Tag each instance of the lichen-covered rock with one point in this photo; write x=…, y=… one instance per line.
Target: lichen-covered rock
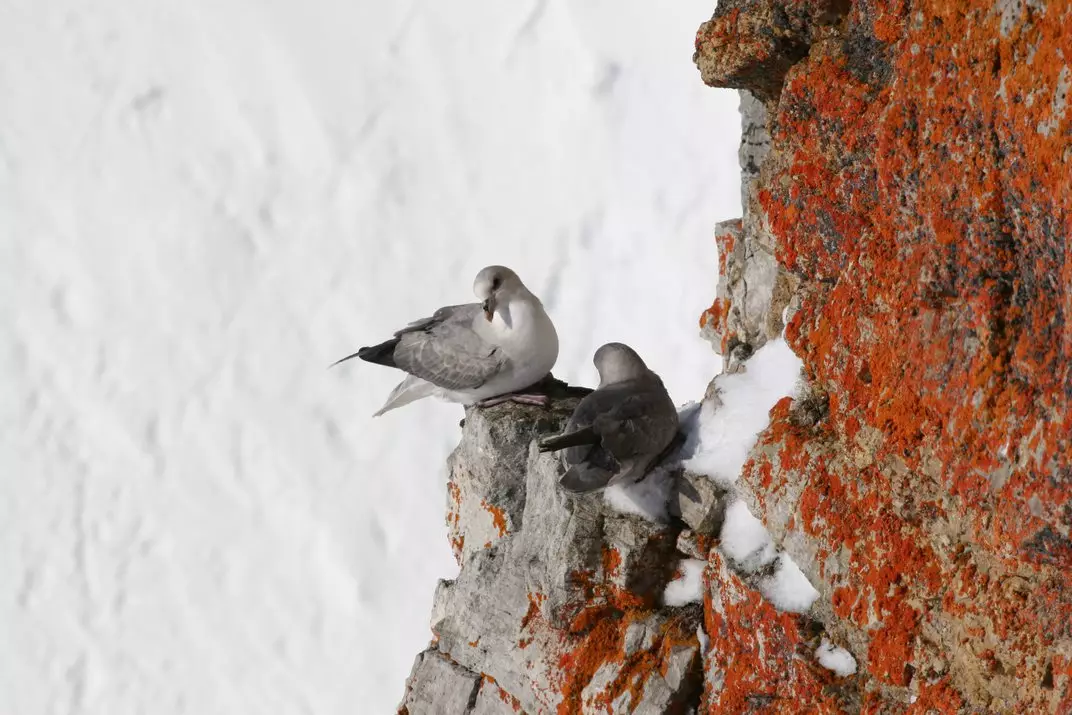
x=760, y=661
x=915, y=198
x=559, y=610
x=752, y=44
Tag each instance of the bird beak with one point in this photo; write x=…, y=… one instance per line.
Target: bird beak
x=489, y=309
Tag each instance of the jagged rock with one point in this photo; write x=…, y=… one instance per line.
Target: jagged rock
x=438, y=686
x=755, y=143
x=752, y=44
x=701, y=504
x=493, y=700
x=556, y=599
x=759, y=661
x=754, y=294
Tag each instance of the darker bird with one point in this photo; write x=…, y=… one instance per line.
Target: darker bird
x=618, y=433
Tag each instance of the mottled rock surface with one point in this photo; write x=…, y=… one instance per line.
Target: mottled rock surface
x=557, y=606
x=912, y=212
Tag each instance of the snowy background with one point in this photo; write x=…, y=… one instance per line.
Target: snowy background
x=205, y=202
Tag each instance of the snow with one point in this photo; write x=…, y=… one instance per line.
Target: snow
x=745, y=540
x=648, y=498
x=748, y=544
x=202, y=205
x=725, y=433
x=788, y=588
x=718, y=444
x=688, y=586
x=835, y=658
x=703, y=639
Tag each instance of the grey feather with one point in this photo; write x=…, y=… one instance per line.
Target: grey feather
x=635, y=420
x=446, y=351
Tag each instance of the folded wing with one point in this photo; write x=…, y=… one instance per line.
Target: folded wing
x=446, y=351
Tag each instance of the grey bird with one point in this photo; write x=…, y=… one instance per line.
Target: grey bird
x=476, y=353
x=618, y=433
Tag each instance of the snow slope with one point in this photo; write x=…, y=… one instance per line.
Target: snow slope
x=202, y=204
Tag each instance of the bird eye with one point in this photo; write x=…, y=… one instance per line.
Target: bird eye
x=496, y=283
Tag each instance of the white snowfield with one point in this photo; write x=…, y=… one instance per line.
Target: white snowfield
x=202, y=205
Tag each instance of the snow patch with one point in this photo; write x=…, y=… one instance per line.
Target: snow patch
x=728, y=427
x=745, y=540
x=688, y=586
x=748, y=544
x=648, y=498
x=702, y=637
x=835, y=658
x=788, y=588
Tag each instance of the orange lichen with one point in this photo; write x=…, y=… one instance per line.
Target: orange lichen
x=758, y=651
x=536, y=601
x=498, y=517
x=918, y=185
x=454, y=509
x=612, y=561
x=506, y=697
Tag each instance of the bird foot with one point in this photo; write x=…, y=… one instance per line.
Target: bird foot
x=518, y=398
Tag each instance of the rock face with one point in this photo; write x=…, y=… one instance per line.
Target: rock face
x=907, y=178
x=557, y=607
x=911, y=209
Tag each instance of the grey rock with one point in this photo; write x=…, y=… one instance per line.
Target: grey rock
x=438, y=686
x=760, y=291
x=755, y=142
x=527, y=595
x=493, y=700
x=486, y=494
x=701, y=505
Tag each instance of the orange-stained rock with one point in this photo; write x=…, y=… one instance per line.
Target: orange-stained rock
x=761, y=659
x=557, y=606
x=918, y=190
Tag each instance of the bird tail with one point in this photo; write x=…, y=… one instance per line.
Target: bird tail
x=409, y=390
x=583, y=478
x=570, y=439
x=382, y=354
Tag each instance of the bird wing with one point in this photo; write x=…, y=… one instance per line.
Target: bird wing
x=446, y=351
x=633, y=419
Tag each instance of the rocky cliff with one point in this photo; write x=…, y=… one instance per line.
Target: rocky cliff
x=907, y=182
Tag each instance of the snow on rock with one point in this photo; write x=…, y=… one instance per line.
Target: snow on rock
x=688, y=586
x=647, y=498
x=703, y=638
x=835, y=658
x=749, y=546
x=788, y=588
x=730, y=421
x=745, y=540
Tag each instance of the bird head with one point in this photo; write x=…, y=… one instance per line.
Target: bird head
x=617, y=362
x=494, y=285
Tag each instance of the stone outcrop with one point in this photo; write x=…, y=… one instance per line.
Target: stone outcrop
x=907, y=219
x=907, y=179
x=557, y=606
